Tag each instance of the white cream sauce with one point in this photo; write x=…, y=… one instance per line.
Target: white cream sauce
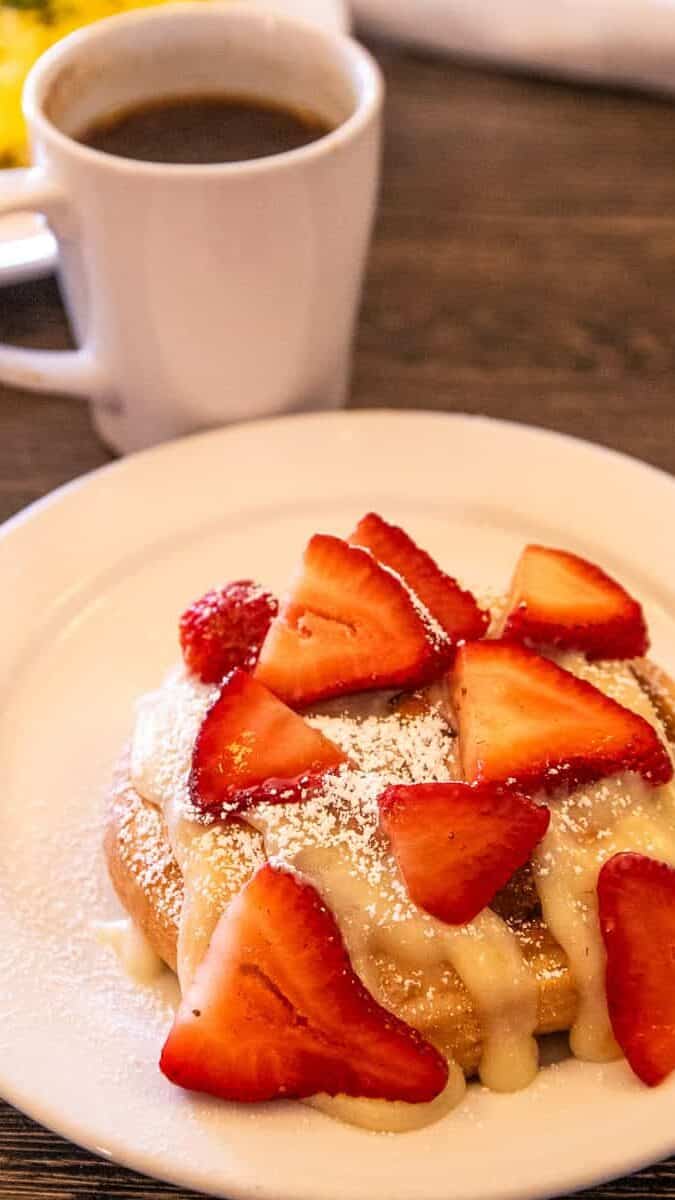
x=587, y=827
x=131, y=947
x=393, y=1116
x=215, y=860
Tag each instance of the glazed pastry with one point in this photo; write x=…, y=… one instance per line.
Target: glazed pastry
x=367, y=829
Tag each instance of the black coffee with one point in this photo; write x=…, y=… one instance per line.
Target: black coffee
x=204, y=129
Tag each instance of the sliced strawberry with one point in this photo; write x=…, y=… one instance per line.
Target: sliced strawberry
x=347, y=625
x=525, y=721
x=225, y=628
x=276, y=1010
x=457, y=845
x=252, y=747
x=455, y=609
x=636, y=897
x=559, y=599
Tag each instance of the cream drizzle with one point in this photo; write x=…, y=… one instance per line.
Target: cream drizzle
x=215, y=860
x=393, y=1116
x=587, y=827
x=131, y=947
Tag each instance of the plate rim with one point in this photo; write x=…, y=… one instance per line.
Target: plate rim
x=118, y=469
x=125, y=462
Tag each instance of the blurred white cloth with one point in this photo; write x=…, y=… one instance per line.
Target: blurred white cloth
x=621, y=41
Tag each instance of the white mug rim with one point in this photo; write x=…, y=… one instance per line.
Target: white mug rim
x=354, y=61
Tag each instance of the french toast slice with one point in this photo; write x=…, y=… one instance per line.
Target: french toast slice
x=149, y=884
x=434, y=1000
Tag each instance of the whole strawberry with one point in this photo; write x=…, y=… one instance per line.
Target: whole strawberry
x=225, y=628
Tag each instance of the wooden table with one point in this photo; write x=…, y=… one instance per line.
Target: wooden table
x=524, y=266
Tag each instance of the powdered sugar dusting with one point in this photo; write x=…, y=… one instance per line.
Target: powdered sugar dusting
x=166, y=727
x=220, y=859
x=147, y=856
x=344, y=817
x=614, y=678
x=54, y=907
x=435, y=631
x=416, y=748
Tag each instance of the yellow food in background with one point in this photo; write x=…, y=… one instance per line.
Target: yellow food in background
x=27, y=28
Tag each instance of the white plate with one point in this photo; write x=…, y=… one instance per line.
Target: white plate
x=94, y=578
x=27, y=248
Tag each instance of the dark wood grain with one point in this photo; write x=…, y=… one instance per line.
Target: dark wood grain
x=524, y=267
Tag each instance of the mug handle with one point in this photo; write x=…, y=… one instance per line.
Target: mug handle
x=30, y=189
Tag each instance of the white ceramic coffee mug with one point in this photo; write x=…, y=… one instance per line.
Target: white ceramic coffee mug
x=210, y=293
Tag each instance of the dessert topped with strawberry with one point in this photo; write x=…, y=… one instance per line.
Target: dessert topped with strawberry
x=408, y=836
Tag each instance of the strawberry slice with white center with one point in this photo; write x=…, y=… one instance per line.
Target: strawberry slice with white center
x=560, y=599
x=525, y=721
x=636, y=898
x=251, y=747
x=347, y=625
x=451, y=606
x=276, y=1010
x=457, y=845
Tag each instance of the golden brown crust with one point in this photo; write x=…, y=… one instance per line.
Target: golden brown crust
x=660, y=689
x=142, y=868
